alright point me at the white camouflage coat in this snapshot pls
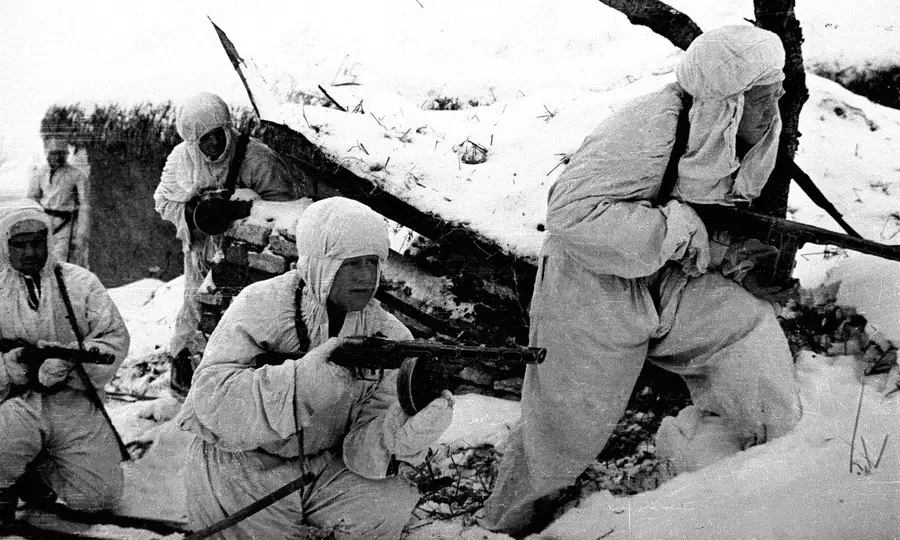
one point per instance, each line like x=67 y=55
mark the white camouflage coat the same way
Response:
x=268 y=424
x=79 y=455
x=606 y=298
x=188 y=172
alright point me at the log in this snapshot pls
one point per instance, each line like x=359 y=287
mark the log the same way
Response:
x=497 y=283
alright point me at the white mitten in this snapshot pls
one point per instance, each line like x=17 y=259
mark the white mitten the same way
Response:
x=320 y=383
x=686 y=240
x=161 y=410
x=54 y=371
x=414 y=434
x=245 y=194
x=16 y=372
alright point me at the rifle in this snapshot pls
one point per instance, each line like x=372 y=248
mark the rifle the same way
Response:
x=89 y=389
x=425 y=367
x=789 y=236
x=785 y=233
x=36 y=354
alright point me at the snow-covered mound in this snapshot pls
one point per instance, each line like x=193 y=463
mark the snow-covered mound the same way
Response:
x=491 y=166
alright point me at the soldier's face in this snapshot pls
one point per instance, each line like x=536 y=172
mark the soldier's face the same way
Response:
x=213 y=143
x=355 y=282
x=57 y=158
x=760 y=110
x=28 y=252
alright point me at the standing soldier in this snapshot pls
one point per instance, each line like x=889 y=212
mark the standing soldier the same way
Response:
x=197 y=194
x=63 y=191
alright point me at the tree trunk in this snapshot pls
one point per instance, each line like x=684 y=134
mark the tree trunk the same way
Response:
x=497 y=284
x=778 y=16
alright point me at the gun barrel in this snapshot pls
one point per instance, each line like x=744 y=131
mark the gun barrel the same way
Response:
x=743 y=223
x=380 y=353
x=84 y=357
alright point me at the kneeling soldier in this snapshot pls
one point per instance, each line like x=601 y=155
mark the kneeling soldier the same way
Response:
x=53 y=439
x=259 y=427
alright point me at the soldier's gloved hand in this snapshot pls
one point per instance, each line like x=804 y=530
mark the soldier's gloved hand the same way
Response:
x=751 y=263
x=16 y=371
x=189 y=208
x=54 y=371
x=320 y=382
x=686 y=238
x=320 y=355
x=239 y=209
x=245 y=194
x=413 y=434
x=773 y=292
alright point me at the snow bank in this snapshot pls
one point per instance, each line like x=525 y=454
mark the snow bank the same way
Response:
x=798 y=486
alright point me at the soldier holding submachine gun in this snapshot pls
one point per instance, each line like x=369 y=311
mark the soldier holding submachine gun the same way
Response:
x=61 y=339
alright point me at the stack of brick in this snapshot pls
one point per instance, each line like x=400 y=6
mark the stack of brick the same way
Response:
x=264 y=246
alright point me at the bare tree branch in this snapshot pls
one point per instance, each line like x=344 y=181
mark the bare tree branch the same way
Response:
x=659 y=17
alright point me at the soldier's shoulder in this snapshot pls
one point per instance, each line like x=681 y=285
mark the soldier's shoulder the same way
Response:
x=257 y=146
x=271 y=288
x=72 y=170
x=258 y=151
x=391 y=326
x=179 y=150
x=78 y=274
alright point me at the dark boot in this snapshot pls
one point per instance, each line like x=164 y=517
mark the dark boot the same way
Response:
x=8 y=501
x=33 y=491
x=181 y=373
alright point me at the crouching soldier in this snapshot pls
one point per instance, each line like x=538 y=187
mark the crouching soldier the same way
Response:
x=200 y=192
x=259 y=427
x=53 y=439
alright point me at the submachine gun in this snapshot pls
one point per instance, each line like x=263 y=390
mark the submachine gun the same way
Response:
x=792 y=235
x=35 y=355
x=425 y=366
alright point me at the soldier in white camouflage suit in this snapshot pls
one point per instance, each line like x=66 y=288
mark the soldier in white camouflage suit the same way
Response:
x=625 y=277
x=198 y=165
x=52 y=438
x=259 y=427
